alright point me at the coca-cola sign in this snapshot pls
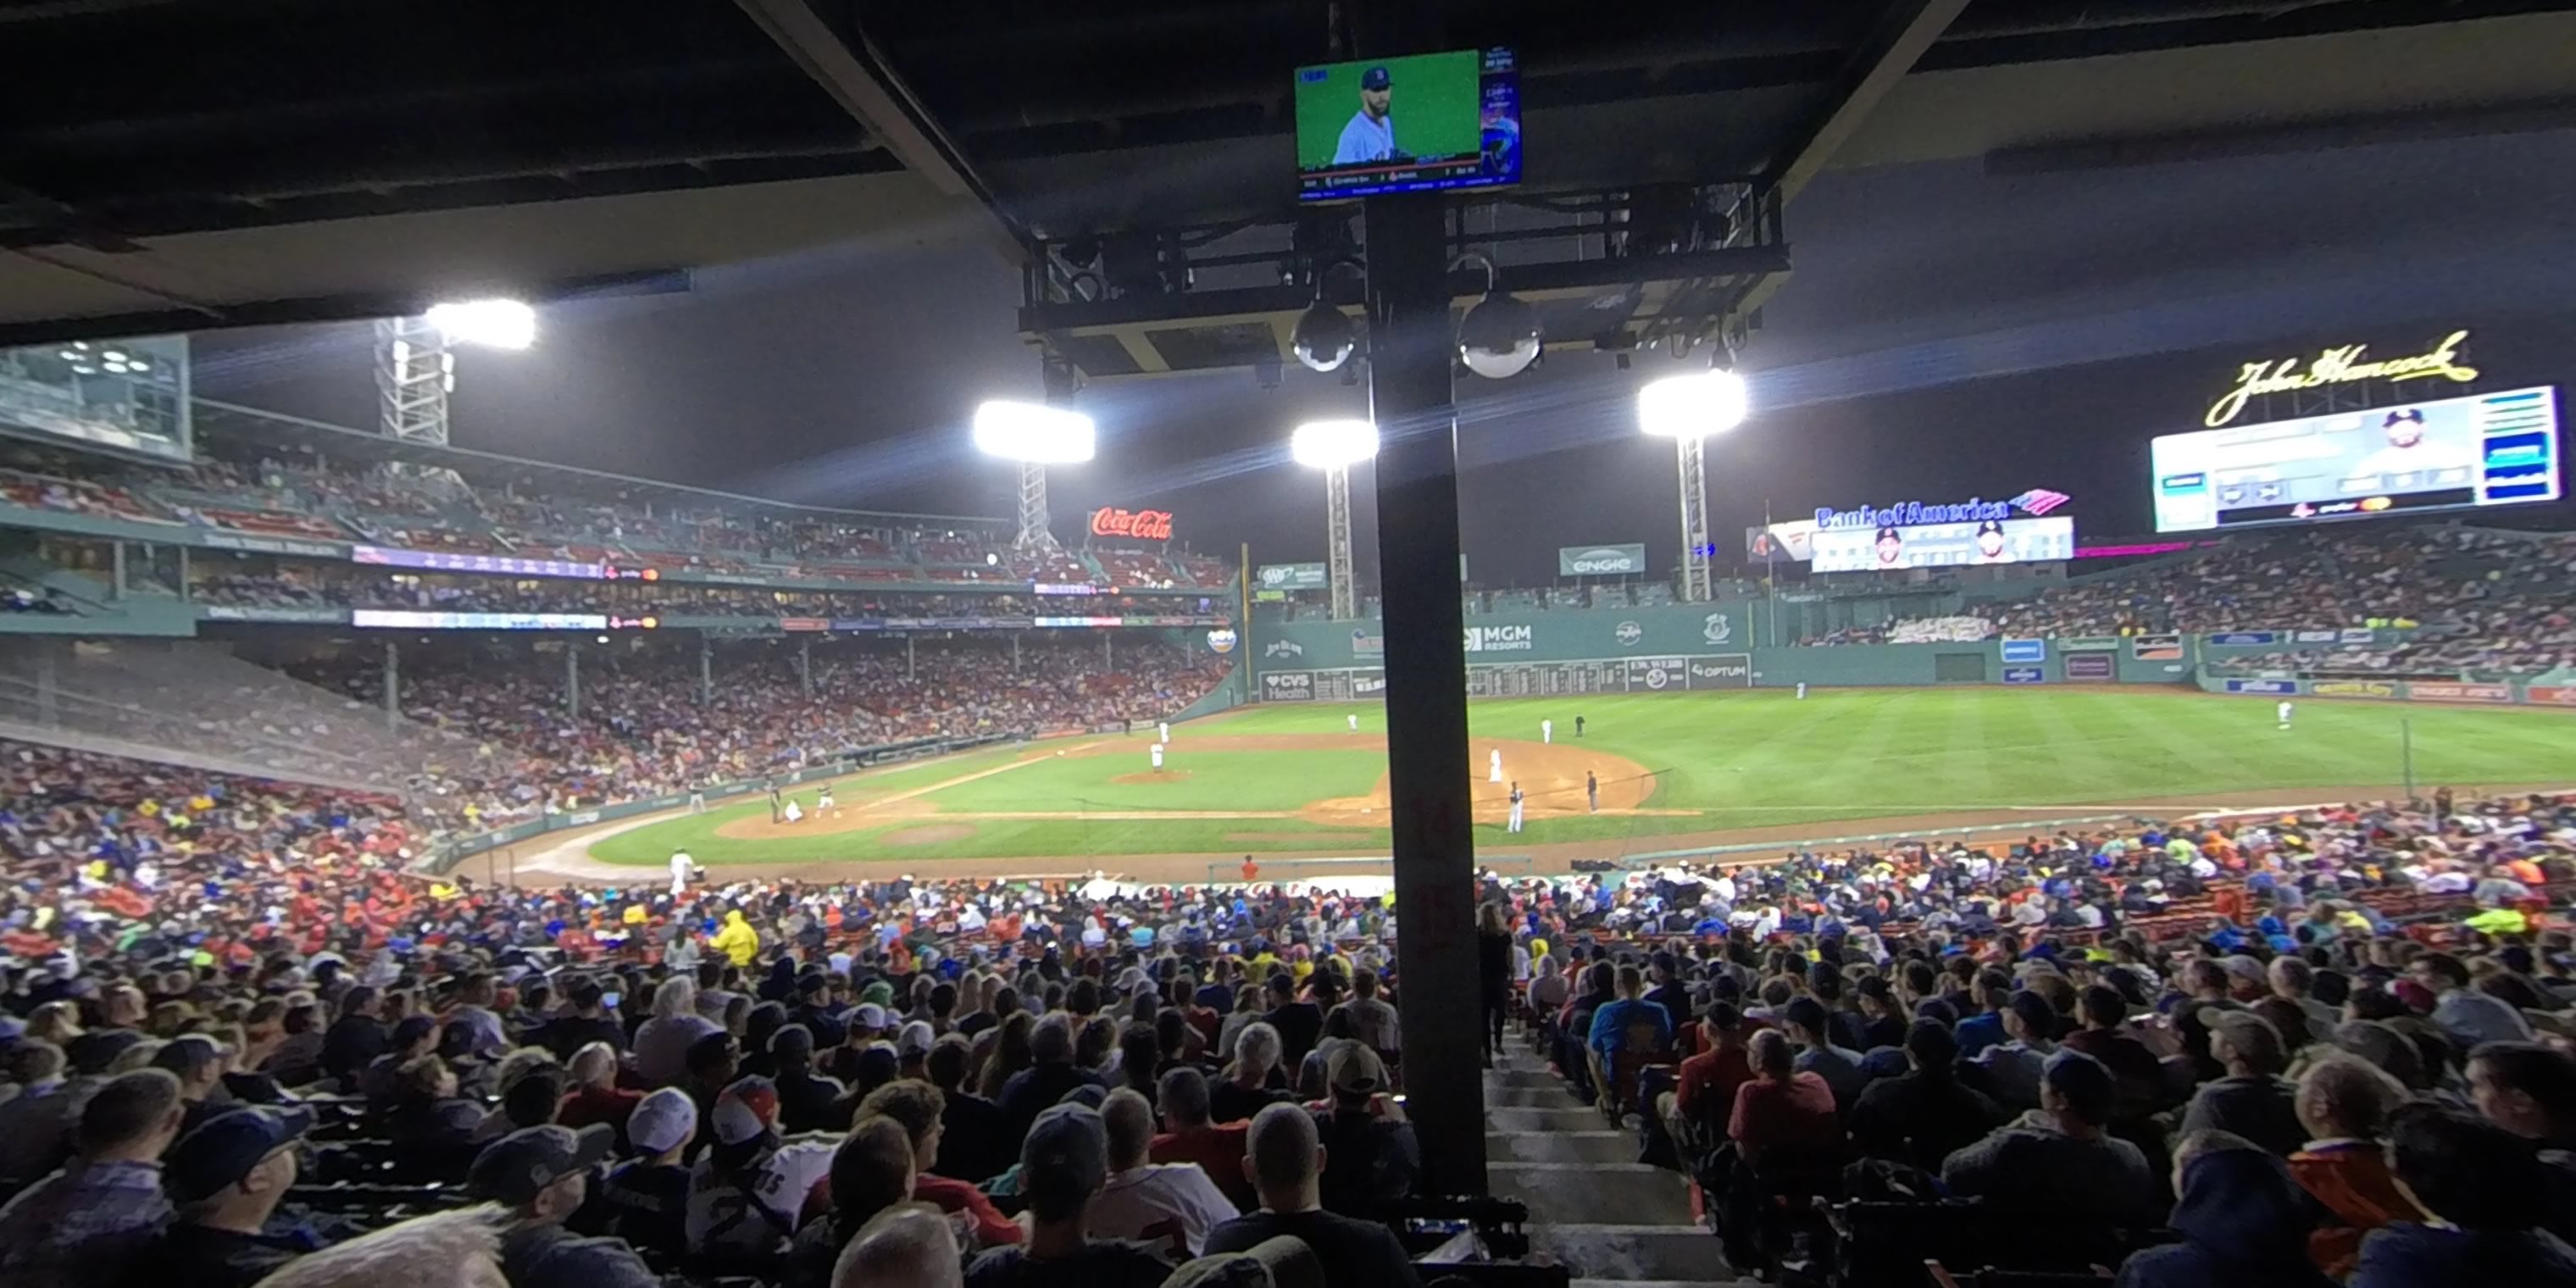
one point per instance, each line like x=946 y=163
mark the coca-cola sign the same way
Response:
x=1143 y=525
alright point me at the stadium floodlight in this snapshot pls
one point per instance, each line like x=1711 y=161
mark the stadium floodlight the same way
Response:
x=1693 y=406
x=1033 y=433
x=492 y=323
x=1333 y=444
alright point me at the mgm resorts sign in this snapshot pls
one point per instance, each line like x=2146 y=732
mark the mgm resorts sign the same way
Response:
x=1601 y=561
x=2347 y=364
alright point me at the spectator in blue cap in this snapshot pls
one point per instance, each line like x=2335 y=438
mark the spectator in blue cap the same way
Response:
x=224 y=1179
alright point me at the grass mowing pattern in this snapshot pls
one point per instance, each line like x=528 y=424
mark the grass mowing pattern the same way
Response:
x=1744 y=759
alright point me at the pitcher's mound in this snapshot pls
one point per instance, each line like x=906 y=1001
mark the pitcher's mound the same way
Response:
x=1153 y=776
x=930 y=834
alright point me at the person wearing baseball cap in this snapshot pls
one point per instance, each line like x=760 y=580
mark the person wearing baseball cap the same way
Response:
x=744 y=1192
x=1374 y=1156
x=224 y=1178
x=1063 y=1163
x=648 y=1195
x=2253 y=1101
x=540 y=1176
x=1370 y=135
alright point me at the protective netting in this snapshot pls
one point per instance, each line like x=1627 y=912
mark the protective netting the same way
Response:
x=189 y=703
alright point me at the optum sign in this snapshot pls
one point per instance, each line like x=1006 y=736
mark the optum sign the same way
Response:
x=1601 y=561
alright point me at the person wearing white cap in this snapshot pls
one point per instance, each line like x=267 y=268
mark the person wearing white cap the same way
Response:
x=648 y=1195
x=912 y=1046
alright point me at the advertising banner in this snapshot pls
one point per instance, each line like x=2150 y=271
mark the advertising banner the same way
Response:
x=1601 y=561
x=2315 y=637
x=2025 y=675
x=2352 y=688
x=409 y=619
x=1943 y=545
x=2241 y=639
x=1508 y=638
x=2443 y=691
x=451 y=561
x=254 y=613
x=271 y=545
x=2025 y=650
x=1288 y=686
x=804 y=624
x=2282 y=687
x=1296 y=576
x=2156 y=648
x=1364 y=644
x=2091 y=666
x=2557 y=695
x=1790 y=539
x=2356 y=635
x=1136 y=525
x=2090 y=644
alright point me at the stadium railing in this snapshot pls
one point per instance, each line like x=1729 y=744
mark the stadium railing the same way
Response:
x=1367 y=866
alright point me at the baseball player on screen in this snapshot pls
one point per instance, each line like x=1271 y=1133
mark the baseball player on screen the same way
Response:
x=1371 y=134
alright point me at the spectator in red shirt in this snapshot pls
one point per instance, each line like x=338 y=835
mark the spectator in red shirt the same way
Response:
x=1705 y=1085
x=1785 y=1132
x=595 y=1096
x=1782 y=1109
x=1188 y=1136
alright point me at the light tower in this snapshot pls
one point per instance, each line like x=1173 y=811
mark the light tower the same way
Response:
x=1687 y=409
x=416 y=360
x=1334 y=446
x=1035 y=436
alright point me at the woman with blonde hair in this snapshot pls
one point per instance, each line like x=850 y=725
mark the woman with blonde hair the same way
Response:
x=55 y=1022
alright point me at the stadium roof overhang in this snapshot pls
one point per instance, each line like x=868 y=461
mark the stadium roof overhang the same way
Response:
x=188 y=164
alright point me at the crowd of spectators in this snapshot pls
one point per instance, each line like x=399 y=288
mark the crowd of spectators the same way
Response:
x=2222 y=1028
x=2217 y=1038
x=266 y=494
x=262 y=582
x=2509 y=590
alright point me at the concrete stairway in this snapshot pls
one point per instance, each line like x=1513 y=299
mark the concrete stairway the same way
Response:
x=1616 y=1222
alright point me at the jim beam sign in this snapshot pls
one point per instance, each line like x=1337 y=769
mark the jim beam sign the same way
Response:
x=2349 y=364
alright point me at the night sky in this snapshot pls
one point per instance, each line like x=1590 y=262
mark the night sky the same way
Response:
x=1948 y=333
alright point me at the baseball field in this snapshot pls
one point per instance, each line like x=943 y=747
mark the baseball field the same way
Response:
x=1673 y=770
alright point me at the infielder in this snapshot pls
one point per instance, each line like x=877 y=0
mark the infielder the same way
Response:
x=1547 y=731
x=2285 y=713
x=823 y=798
x=682 y=867
x=1592 y=790
x=1157 y=751
x=1516 y=809
x=1354 y=720
x=1163 y=728
x=1370 y=136
x=1494 y=765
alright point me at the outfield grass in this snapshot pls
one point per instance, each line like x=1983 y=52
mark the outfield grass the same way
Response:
x=1729 y=760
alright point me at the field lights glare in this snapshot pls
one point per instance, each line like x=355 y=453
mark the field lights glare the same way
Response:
x=1693 y=406
x=495 y=323
x=1033 y=433
x=1333 y=444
